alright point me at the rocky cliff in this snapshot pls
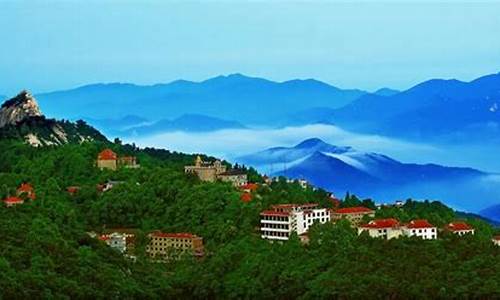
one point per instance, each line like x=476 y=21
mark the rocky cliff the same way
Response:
x=21 y=118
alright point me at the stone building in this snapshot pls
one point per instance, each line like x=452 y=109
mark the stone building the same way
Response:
x=206 y=171
x=237 y=177
x=164 y=246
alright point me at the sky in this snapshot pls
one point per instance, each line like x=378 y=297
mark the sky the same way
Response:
x=53 y=45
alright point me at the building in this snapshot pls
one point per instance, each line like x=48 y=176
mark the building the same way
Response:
x=206 y=171
x=11 y=201
x=382 y=228
x=110 y=184
x=236 y=177
x=128 y=233
x=496 y=240
x=72 y=190
x=282 y=220
x=116 y=241
x=26 y=190
x=171 y=245
x=246 y=197
x=353 y=214
x=459 y=228
x=249 y=187
x=420 y=228
x=107 y=159
x=128 y=162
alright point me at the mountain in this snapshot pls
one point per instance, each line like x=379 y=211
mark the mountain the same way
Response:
x=491 y=212
x=21 y=118
x=188 y=122
x=235 y=97
x=342 y=169
x=436 y=109
x=386 y=92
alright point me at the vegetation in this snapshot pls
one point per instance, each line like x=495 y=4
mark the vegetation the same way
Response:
x=46 y=253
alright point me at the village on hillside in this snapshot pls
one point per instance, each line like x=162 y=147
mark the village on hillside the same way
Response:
x=278 y=223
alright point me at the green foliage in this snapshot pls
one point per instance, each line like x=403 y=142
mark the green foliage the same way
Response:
x=46 y=253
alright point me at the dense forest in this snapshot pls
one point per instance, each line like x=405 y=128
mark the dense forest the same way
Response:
x=46 y=253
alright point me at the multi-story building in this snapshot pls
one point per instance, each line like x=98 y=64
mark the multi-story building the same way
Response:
x=459 y=228
x=206 y=171
x=171 y=245
x=128 y=162
x=382 y=228
x=353 y=214
x=128 y=233
x=282 y=220
x=237 y=177
x=420 y=228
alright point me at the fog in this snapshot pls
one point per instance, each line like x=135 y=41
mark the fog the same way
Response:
x=229 y=144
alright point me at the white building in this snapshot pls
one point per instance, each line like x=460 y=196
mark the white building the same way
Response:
x=382 y=228
x=460 y=228
x=420 y=228
x=116 y=241
x=282 y=220
x=496 y=240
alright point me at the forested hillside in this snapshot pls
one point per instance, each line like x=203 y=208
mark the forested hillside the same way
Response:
x=46 y=253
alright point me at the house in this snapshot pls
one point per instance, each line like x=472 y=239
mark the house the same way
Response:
x=249 y=187
x=353 y=214
x=382 y=228
x=459 y=228
x=282 y=220
x=496 y=240
x=11 y=201
x=164 y=246
x=420 y=228
x=116 y=241
x=72 y=190
x=107 y=159
x=26 y=190
x=111 y=184
x=206 y=171
x=128 y=233
x=236 y=177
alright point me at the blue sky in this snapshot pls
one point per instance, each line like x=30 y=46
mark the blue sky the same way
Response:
x=50 y=45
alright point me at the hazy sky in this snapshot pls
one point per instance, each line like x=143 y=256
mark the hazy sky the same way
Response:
x=48 y=45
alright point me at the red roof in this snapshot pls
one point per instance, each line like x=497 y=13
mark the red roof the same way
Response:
x=419 y=224
x=173 y=235
x=104 y=237
x=13 y=200
x=353 y=210
x=382 y=223
x=28 y=189
x=73 y=189
x=106 y=154
x=249 y=186
x=246 y=197
x=496 y=237
x=458 y=226
x=274 y=213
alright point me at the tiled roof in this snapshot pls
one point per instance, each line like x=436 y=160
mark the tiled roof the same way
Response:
x=458 y=226
x=25 y=187
x=12 y=200
x=419 y=224
x=107 y=154
x=246 y=197
x=274 y=213
x=353 y=210
x=173 y=235
x=381 y=223
x=249 y=186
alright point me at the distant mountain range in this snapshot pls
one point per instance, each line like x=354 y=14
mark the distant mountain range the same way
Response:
x=437 y=110
x=342 y=169
x=442 y=110
x=235 y=97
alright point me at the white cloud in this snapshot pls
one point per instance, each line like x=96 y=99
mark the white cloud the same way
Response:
x=236 y=142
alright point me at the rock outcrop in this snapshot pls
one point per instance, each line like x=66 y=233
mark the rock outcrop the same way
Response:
x=19 y=108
